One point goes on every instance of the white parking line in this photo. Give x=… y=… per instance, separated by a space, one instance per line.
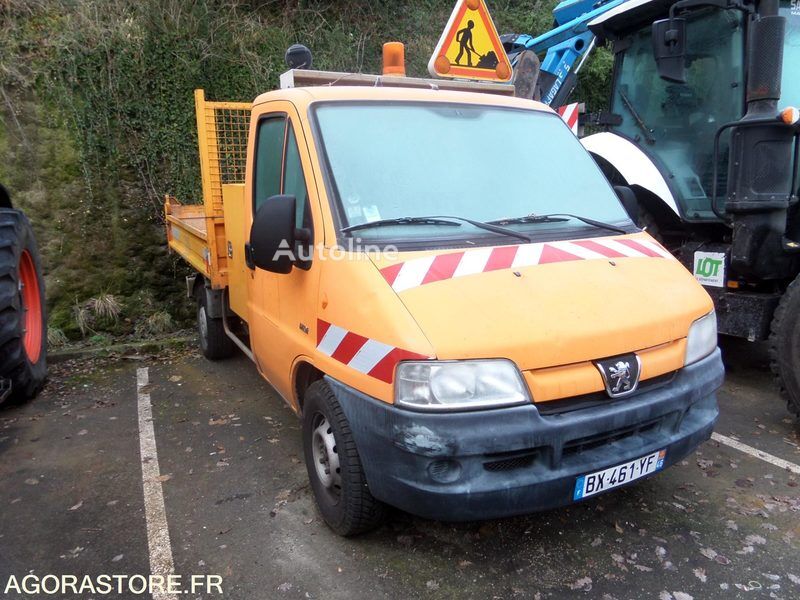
x=155 y=513
x=773 y=460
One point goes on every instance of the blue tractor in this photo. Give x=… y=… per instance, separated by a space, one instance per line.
x=702 y=126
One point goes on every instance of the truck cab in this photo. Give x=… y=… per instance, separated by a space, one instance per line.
x=463 y=338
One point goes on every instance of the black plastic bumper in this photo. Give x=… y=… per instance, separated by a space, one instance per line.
x=486 y=464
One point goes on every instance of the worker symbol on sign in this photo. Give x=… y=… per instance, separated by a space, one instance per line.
x=470 y=47
x=464 y=39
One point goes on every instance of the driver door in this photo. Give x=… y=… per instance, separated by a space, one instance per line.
x=282 y=306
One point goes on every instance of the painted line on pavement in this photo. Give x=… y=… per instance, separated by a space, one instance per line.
x=158 y=543
x=755 y=452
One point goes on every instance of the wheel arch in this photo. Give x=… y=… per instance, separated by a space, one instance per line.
x=665 y=216
x=625 y=164
x=304 y=374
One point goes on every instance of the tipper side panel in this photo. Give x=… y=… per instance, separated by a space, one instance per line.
x=197 y=232
x=222 y=129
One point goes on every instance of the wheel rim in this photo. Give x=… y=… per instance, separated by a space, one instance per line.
x=326 y=457
x=202 y=325
x=31 y=307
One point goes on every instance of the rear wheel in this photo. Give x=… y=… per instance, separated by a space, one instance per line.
x=334 y=466
x=214 y=342
x=23 y=336
x=785 y=346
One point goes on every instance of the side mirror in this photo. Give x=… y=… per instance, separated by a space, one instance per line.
x=669 y=48
x=272 y=235
x=629 y=202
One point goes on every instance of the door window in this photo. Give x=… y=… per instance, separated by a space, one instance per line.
x=675 y=122
x=269 y=153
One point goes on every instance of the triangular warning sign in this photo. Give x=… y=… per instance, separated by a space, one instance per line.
x=470 y=47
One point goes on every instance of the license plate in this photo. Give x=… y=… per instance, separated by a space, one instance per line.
x=600 y=481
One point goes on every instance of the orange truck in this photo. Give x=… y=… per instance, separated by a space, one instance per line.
x=463 y=338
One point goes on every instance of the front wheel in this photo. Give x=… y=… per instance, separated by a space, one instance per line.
x=784 y=345
x=334 y=466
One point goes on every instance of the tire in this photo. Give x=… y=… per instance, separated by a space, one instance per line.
x=214 y=342
x=648 y=222
x=784 y=346
x=23 y=319
x=342 y=495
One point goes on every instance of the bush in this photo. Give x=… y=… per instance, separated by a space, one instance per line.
x=98 y=117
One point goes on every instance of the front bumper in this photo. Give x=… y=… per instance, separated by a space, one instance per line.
x=485 y=464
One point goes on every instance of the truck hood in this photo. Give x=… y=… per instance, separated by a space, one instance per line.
x=548 y=304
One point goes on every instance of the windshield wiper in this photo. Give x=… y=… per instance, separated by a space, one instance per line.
x=642 y=125
x=401 y=221
x=559 y=217
x=439 y=220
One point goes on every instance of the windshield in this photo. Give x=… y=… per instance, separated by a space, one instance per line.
x=790 y=82
x=676 y=123
x=395 y=160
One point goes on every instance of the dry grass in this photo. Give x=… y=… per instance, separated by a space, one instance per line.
x=105 y=306
x=157 y=323
x=82 y=317
x=56 y=337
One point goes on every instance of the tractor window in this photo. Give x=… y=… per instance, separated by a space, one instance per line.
x=790 y=82
x=269 y=155
x=675 y=123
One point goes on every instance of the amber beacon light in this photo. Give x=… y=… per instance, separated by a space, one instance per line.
x=790 y=115
x=394 y=59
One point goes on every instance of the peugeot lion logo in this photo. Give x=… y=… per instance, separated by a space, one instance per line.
x=620 y=374
x=620 y=377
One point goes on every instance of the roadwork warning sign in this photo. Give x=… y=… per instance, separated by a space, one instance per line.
x=470 y=47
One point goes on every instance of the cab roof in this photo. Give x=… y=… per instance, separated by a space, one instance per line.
x=628 y=17
x=303 y=96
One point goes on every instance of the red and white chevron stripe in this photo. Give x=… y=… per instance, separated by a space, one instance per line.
x=439 y=267
x=569 y=112
x=374 y=358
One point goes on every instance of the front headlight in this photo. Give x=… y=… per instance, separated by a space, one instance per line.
x=459 y=385
x=702 y=338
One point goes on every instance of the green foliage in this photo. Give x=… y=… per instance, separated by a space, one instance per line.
x=98 y=117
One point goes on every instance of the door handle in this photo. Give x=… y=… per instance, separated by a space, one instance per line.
x=248 y=257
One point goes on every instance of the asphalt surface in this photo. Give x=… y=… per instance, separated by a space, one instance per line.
x=722 y=524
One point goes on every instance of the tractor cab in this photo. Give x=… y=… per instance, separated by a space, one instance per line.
x=673 y=123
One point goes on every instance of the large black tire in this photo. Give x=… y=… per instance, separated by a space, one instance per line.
x=23 y=319
x=342 y=495
x=214 y=342
x=784 y=346
x=647 y=221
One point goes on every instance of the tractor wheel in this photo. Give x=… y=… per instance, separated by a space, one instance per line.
x=648 y=222
x=784 y=346
x=23 y=324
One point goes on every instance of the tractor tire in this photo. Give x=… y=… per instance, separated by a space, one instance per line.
x=784 y=346
x=214 y=342
x=334 y=466
x=23 y=320
x=648 y=222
